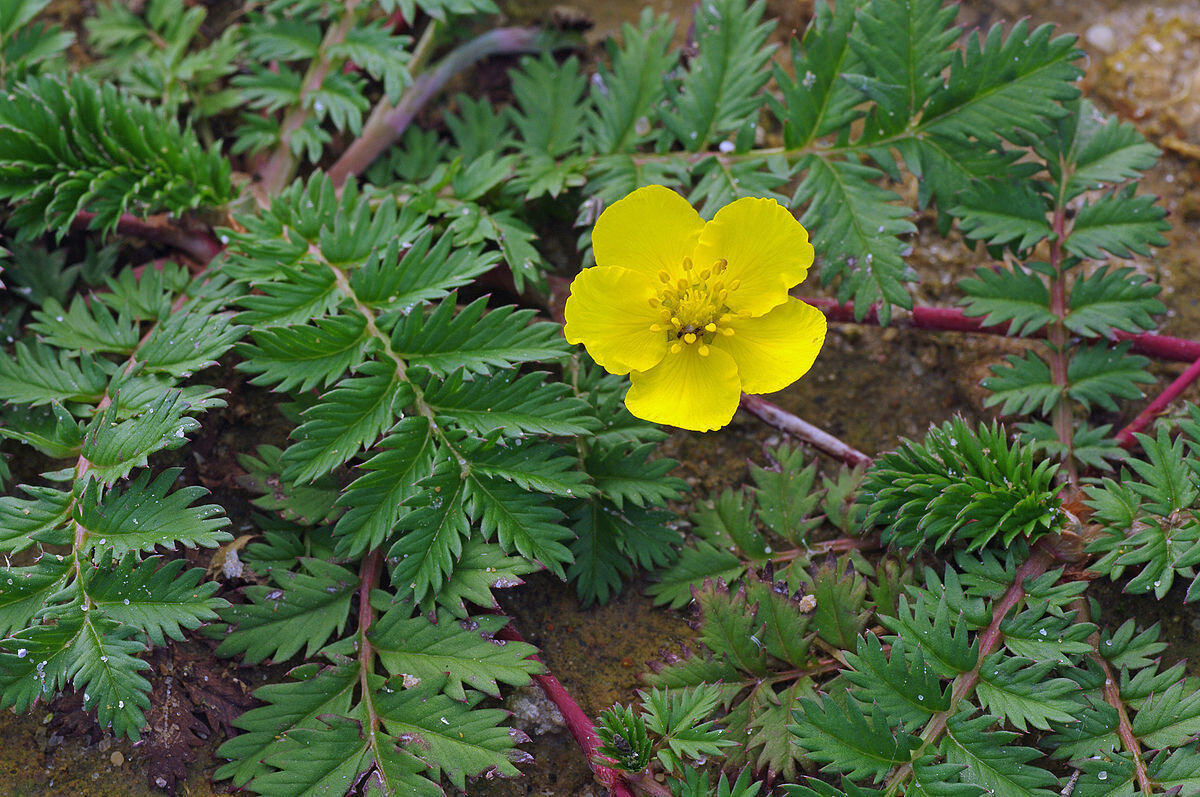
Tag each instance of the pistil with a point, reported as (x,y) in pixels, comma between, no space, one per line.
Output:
(692,309)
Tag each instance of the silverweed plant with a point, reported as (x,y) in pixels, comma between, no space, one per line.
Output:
(321,226)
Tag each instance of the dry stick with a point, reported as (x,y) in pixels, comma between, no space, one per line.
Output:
(387,123)
(1125,437)
(200,245)
(819,439)
(951,319)
(577,722)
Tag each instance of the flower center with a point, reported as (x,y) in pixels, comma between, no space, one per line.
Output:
(695,308)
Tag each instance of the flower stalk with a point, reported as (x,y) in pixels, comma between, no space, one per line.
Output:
(818,438)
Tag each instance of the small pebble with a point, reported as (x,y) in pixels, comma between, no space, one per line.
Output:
(1102,38)
(117,758)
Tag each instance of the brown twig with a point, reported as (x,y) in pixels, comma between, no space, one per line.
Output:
(819,439)
(578,723)
(1125,437)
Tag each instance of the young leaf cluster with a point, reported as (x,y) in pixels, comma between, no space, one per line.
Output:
(99,389)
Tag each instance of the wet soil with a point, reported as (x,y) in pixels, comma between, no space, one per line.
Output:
(869,387)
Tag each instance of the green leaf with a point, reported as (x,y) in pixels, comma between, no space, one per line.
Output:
(289,705)
(998,86)
(154,596)
(1120,223)
(992,760)
(1022,385)
(374,500)
(303,610)
(189,341)
(1020,691)
(1097,373)
(457,738)
(114,449)
(1108,299)
(854,226)
(549,113)
(697,563)
(908,691)
(903,49)
(1018,296)
(39,374)
(1004,212)
(627,92)
(71,145)
(38,518)
(514,404)
(144,515)
(474,340)
(841,613)
(944,642)
(841,737)
(628,474)
(719,92)
(678,717)
(431,534)
(305,357)
(520,521)
(87,326)
(818,101)
(729,627)
(467,653)
(1170,718)
(347,418)
(307,292)
(28,590)
(1101,150)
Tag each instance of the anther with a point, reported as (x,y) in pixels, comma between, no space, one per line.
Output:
(705,274)
(733,286)
(720,265)
(687,264)
(657,328)
(676,348)
(664,276)
(676,322)
(710,327)
(702,350)
(682,285)
(654,302)
(689,338)
(726,331)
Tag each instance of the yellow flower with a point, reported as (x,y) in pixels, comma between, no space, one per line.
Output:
(695,312)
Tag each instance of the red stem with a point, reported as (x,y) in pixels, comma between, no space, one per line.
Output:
(578,723)
(952,319)
(1125,437)
(819,439)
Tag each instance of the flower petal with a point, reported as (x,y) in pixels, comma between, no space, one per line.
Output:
(651,230)
(687,390)
(767,249)
(609,312)
(775,349)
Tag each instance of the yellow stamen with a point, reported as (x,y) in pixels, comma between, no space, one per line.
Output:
(676,348)
(664,314)
(733,286)
(726,331)
(710,327)
(689,338)
(703,350)
(654,302)
(675,321)
(687,264)
(657,328)
(664,276)
(682,285)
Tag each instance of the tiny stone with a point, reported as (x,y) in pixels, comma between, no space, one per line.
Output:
(1102,38)
(117,758)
